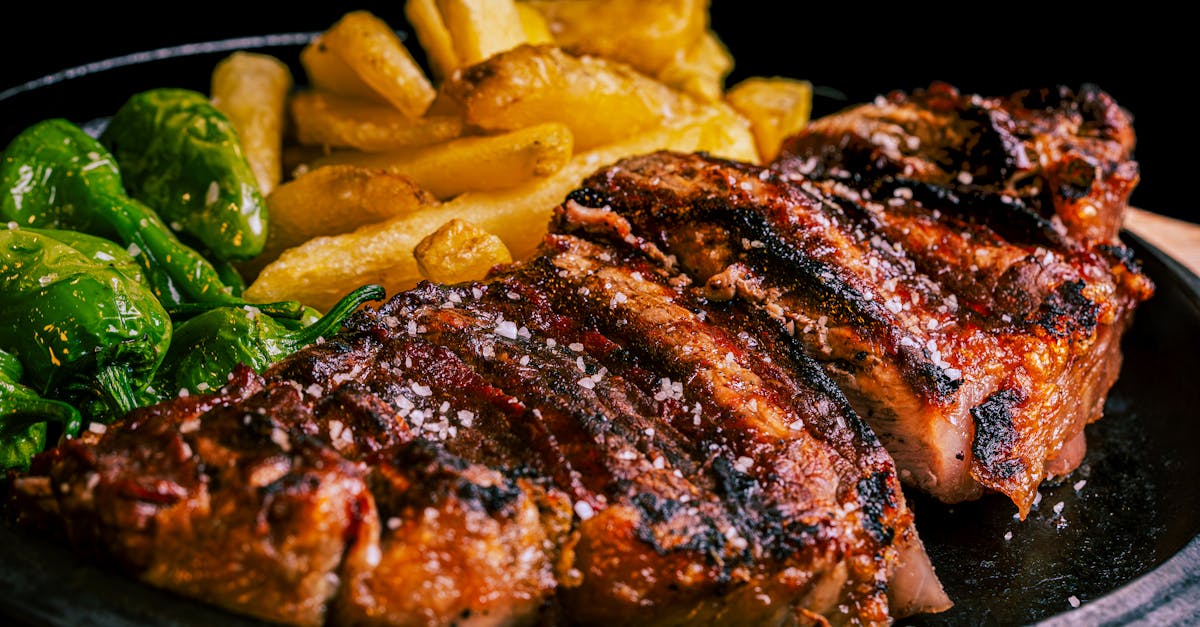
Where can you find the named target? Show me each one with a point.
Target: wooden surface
(1179, 239)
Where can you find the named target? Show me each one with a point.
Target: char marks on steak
(583, 439)
(932, 255)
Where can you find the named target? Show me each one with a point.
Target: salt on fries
(397, 176)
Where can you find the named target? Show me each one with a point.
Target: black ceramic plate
(1119, 538)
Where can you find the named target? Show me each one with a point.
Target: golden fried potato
(481, 28)
(537, 30)
(327, 72)
(321, 270)
(332, 200)
(472, 163)
(434, 37)
(325, 119)
(251, 89)
(601, 101)
(375, 53)
(700, 70)
(777, 107)
(646, 35)
(459, 251)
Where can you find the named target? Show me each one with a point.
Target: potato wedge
(537, 29)
(332, 200)
(459, 251)
(321, 270)
(375, 53)
(700, 70)
(601, 101)
(777, 107)
(327, 72)
(434, 37)
(472, 163)
(481, 28)
(251, 89)
(325, 119)
(646, 35)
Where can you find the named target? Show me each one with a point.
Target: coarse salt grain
(575, 346)
(1079, 484)
(507, 329)
(583, 510)
(1073, 600)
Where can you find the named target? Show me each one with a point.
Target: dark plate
(1119, 536)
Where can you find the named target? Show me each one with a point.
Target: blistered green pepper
(206, 348)
(181, 155)
(100, 250)
(82, 329)
(53, 175)
(24, 414)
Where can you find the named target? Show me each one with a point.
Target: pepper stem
(113, 384)
(332, 321)
(289, 309)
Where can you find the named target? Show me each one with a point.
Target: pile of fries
(378, 170)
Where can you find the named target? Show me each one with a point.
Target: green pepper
(206, 348)
(182, 156)
(24, 414)
(56, 176)
(82, 329)
(100, 250)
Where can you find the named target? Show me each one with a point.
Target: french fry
(472, 163)
(326, 119)
(537, 30)
(646, 35)
(481, 28)
(375, 53)
(433, 36)
(327, 72)
(459, 251)
(321, 270)
(700, 70)
(332, 200)
(251, 89)
(777, 107)
(599, 100)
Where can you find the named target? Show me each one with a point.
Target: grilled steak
(974, 320)
(583, 439)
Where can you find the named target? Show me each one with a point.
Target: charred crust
(995, 435)
(1067, 311)
(588, 197)
(877, 498)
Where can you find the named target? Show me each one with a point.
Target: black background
(850, 51)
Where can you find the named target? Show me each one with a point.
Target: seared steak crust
(585, 439)
(976, 343)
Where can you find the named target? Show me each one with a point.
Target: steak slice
(977, 357)
(582, 439)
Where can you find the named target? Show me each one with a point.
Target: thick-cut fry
(537, 30)
(599, 100)
(251, 89)
(322, 270)
(332, 200)
(472, 163)
(777, 107)
(327, 72)
(459, 251)
(374, 51)
(433, 36)
(481, 28)
(325, 119)
(646, 35)
(701, 69)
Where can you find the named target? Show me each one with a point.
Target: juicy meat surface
(976, 335)
(583, 439)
